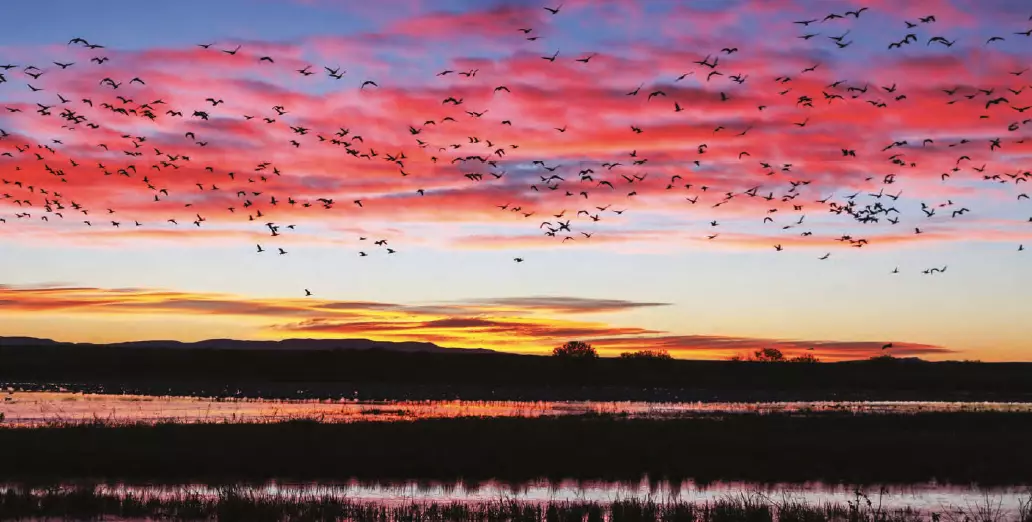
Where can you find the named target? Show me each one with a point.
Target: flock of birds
(596, 187)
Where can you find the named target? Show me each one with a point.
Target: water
(26, 409)
(920, 497)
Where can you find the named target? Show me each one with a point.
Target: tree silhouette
(769, 355)
(575, 350)
(647, 354)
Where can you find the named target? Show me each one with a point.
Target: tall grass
(241, 504)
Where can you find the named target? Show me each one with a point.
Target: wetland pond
(37, 408)
(485, 500)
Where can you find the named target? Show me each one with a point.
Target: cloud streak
(520, 324)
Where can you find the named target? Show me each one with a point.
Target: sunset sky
(645, 278)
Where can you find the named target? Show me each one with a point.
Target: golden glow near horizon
(521, 325)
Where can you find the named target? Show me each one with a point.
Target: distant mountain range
(285, 344)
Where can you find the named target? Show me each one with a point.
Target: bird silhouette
(288, 157)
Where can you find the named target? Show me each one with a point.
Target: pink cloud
(501, 21)
(573, 116)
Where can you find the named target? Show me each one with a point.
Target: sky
(833, 172)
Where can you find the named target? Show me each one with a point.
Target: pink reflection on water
(959, 500)
(24, 409)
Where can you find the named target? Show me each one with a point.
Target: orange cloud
(522, 324)
(723, 346)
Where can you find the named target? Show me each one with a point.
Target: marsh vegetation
(232, 503)
(835, 447)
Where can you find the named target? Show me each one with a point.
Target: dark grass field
(987, 448)
(382, 374)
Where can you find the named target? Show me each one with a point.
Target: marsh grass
(233, 503)
(857, 449)
(1025, 509)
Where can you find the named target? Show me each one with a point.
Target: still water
(23, 409)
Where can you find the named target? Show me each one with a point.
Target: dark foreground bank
(987, 448)
(380, 374)
(82, 504)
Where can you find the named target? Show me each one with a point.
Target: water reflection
(922, 497)
(38, 408)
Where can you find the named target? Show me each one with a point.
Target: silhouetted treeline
(387, 374)
(987, 448)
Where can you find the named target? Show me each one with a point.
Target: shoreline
(375, 391)
(386, 375)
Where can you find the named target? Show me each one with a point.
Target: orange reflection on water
(23, 409)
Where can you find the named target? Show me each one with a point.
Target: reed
(234, 503)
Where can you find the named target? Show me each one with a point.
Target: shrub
(769, 355)
(575, 350)
(805, 358)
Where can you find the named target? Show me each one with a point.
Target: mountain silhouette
(285, 344)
